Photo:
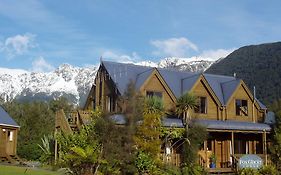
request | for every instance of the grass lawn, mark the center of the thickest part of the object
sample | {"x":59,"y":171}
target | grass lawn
{"x":14,"y":170}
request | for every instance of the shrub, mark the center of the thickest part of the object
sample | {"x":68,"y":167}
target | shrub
{"x":144,"y":163}
{"x":195,"y":169}
{"x":268,"y":170}
{"x":248,"y":171}
{"x":29,"y":151}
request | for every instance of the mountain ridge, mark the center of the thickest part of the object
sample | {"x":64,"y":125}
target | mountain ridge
{"x":258,"y":65}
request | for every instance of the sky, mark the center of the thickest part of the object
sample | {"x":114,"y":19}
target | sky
{"x":40,"y":35}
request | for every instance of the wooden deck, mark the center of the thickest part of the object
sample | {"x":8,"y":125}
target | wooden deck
{"x":220,"y":171}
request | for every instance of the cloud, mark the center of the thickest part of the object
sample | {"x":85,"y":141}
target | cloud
{"x":119,"y":57}
{"x":178,"y":47}
{"x":216,"y":54}
{"x":41,"y":65}
{"x":18,"y":44}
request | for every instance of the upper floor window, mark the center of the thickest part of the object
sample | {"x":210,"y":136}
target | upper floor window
{"x":202,"y":105}
{"x":241,"y":107}
{"x":153,"y":93}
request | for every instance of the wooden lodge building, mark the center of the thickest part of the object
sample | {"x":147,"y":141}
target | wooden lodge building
{"x":234,"y":118}
{"x":8,"y":137}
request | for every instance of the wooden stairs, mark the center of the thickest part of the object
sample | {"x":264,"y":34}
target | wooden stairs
{"x":73,"y":121}
{"x":225,"y":171}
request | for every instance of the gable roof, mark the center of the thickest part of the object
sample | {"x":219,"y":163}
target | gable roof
{"x":141,"y":77}
{"x":228,"y":89}
{"x":178,"y":81}
{"x":6,"y":120}
{"x":216,"y":82}
{"x":174,"y":79}
{"x":122,"y":74}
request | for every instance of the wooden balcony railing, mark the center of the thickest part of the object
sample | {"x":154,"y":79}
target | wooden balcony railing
{"x":172,"y":159}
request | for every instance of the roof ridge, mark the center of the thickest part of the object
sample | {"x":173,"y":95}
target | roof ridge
{"x":230,"y":81}
{"x":216,"y":75}
{"x":146,"y":71}
{"x":175,"y":70}
{"x":223,"y":94}
{"x":130,"y":64}
{"x":190,"y":76}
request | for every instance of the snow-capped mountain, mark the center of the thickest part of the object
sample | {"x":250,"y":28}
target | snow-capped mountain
{"x":69,"y":81}
{"x":72,"y":82}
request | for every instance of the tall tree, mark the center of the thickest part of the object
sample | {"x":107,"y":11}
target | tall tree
{"x":147,"y":138}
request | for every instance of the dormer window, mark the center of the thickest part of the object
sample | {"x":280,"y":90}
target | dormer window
{"x":202,"y":105}
{"x":153,"y":94}
{"x":241,"y":107}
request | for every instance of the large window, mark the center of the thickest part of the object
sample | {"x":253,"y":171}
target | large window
{"x":153,"y":93}
{"x":241,"y":107}
{"x":202,"y":105}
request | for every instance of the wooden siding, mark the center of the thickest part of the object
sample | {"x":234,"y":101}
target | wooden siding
{"x":240,"y":94}
{"x":154,"y":83}
{"x":201,"y":90}
{"x":7,"y":146}
{"x":103,"y":89}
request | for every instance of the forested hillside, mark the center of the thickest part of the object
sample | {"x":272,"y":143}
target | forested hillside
{"x":257,"y":65}
{"x":36,"y":120}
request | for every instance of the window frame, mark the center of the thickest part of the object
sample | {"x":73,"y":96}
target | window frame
{"x":199,"y":109}
{"x":240,"y":112}
{"x":153,"y":94}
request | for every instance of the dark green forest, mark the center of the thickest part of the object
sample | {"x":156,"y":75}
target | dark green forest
{"x":257,"y":65}
{"x":36,"y":119}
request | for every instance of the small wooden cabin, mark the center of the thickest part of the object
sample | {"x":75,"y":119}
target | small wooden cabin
{"x":8,"y":136}
{"x":232,"y":115}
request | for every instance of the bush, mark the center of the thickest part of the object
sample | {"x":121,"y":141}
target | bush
{"x":248,"y":171}
{"x":268,"y":170}
{"x":144,"y":163}
{"x":30,"y":151}
{"x":195,"y":169}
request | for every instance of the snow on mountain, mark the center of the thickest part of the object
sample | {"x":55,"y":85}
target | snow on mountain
{"x":72,"y":82}
{"x":66,"y":80}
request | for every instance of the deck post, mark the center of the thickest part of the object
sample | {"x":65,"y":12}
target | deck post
{"x":264,"y":146}
{"x":232,"y":142}
{"x":232,"y":148}
{"x":206,"y":154}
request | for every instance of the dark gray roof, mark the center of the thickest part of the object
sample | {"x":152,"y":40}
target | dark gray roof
{"x":142,"y":77}
{"x":209,"y":124}
{"x":270,"y":118}
{"x":261,"y":104}
{"x":173,"y":79}
{"x":172,"y":122}
{"x":122,"y":74}
{"x":216,"y":81}
{"x":187,"y":83}
{"x":5,"y":119}
{"x":228,"y":89}
{"x":219,"y":125}
{"x":118,"y":119}
{"x":234,"y":125}
{"x":178,"y":81}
